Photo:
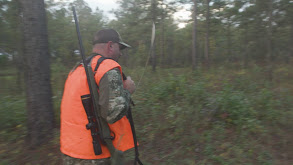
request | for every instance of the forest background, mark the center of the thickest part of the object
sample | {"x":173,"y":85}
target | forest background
{"x":217,"y":91}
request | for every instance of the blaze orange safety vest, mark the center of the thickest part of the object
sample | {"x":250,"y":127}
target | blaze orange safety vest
{"x":75,"y":139}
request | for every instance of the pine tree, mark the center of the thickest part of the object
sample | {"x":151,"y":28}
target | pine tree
{"x":40,"y":116}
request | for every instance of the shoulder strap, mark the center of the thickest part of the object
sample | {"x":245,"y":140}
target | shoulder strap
{"x":100,"y":60}
{"x":87,"y":61}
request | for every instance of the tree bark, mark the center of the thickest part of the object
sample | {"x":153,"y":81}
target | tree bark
{"x":40,"y":115}
{"x":194,"y":56}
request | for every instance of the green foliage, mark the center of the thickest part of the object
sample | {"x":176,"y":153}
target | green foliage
{"x":239,"y":108}
{"x":13,"y":117}
{"x":3,"y":60}
{"x":223,"y":122}
{"x":204,"y":117}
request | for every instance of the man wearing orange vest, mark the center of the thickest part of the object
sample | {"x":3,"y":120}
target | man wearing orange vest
{"x":114,"y":99}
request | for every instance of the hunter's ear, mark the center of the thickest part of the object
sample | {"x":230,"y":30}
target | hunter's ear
{"x":110,"y":47}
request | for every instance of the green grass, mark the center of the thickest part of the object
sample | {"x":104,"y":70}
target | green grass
{"x":220,"y":116}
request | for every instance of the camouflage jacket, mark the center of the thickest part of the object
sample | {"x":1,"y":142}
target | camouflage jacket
{"x":114,"y":99}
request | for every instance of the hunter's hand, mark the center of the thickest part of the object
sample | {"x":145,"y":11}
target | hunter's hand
{"x":129,"y":85}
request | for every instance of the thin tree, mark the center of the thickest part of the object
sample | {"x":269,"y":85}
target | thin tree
{"x":163,"y":16}
{"x":269,"y":41}
{"x":291,"y":41}
{"x":194,"y":16}
{"x":154,"y":15}
{"x":207,"y":45}
{"x":40,"y":116}
{"x":229,"y":38}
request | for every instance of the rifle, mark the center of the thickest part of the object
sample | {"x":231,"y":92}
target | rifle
{"x":129,"y":115}
{"x":96,"y":122}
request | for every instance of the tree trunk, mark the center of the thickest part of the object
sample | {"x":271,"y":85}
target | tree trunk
{"x":154,"y":60}
{"x":163,"y":59}
{"x":40,"y":115}
{"x":207,"y":45}
{"x":170,"y":52}
{"x":246,"y":46}
{"x":229,"y":42}
{"x":291,"y":41}
{"x":269,"y":43}
{"x":19,"y":55}
{"x":194,"y":60}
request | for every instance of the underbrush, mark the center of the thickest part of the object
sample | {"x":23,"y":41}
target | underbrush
{"x":220,"y":116}
{"x":208,"y":118}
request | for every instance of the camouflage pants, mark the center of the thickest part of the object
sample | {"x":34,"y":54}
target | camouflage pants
{"x":67,"y":160}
